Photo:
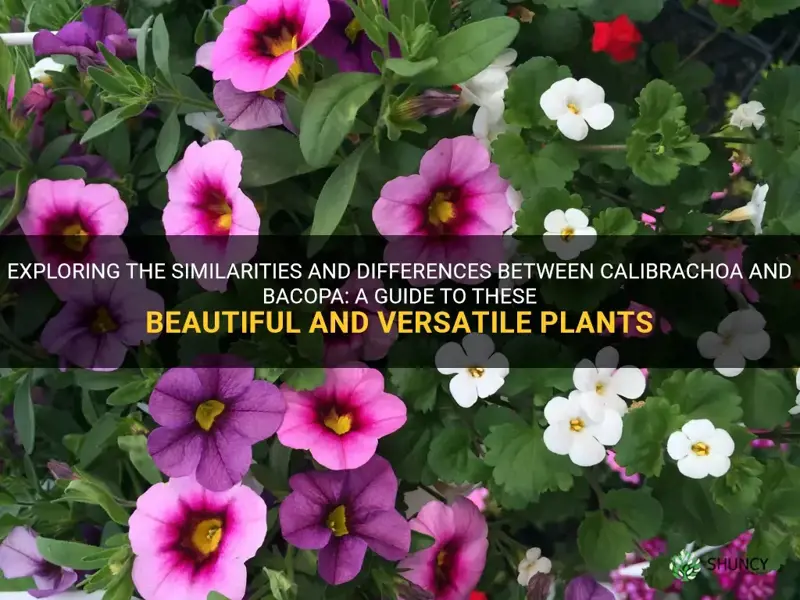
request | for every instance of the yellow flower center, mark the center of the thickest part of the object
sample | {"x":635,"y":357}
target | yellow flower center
{"x":599,"y":388}
{"x":206,"y":536}
{"x":269,"y":93}
{"x":701,"y":449}
{"x":284,"y":43}
{"x":567,"y":233}
{"x":337,"y":521}
{"x":576,"y":424}
{"x":207,"y":413}
{"x":46,"y":80}
{"x":223,"y":209}
{"x":352,"y":30}
{"x":476,"y":372}
{"x":573,"y":108}
{"x":77,"y":237}
{"x":441,"y":559}
{"x":338,"y":424}
{"x":441,"y":210}
{"x":103,"y":323}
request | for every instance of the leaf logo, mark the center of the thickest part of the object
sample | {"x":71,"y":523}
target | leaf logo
{"x":685,"y":566}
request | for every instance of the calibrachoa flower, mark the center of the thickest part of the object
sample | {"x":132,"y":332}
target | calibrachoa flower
{"x":79,"y":39}
{"x":451,"y":567}
{"x":189,"y":542}
{"x":533,"y":563}
{"x":571,"y":430}
{"x":251,"y":110}
{"x":748,"y":115}
{"x":19,"y":557}
{"x":618,"y":38}
{"x":210,"y":417}
{"x":478,"y":497}
{"x":101,"y":319}
{"x":341,"y":421}
{"x":745,"y":585}
{"x":602,"y":385}
{"x":343,"y":513}
{"x":701,"y":449}
{"x":586,"y":587}
{"x":479,"y":371}
{"x":576,"y":106}
{"x":629,"y":587}
{"x":487,"y":89}
{"x":611,"y":461}
{"x":567,"y":233}
{"x":261,"y":41}
{"x":650,"y":220}
{"x":740,"y":337}
{"x":753,"y":211}
{"x":205,"y":202}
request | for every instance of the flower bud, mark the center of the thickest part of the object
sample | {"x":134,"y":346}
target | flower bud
{"x":431,"y":103}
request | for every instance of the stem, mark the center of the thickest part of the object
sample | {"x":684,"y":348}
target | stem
{"x":603,"y":147}
{"x":700,"y":47}
{"x":290,"y":562}
{"x":434,"y":493}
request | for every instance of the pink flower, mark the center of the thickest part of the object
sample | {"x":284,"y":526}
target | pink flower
{"x":737,"y":168}
{"x":458,"y":192}
{"x":664,"y":325}
{"x":261,"y":41}
{"x":189,"y":541}
{"x":634,"y":588}
{"x":450,"y":568}
{"x":650,"y":220}
{"x":744,"y":584}
{"x":478,"y":497}
{"x":206,"y":205}
{"x":611,"y":461}
{"x":341,"y":421}
{"x":373,"y":344}
{"x":731,"y":255}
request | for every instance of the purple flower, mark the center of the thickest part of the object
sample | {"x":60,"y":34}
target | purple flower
{"x":586,"y":588}
{"x":251,"y":110}
{"x":344,"y":40}
{"x":37,"y":101}
{"x":342,"y":513}
{"x":96,"y":167}
{"x":80,"y":38}
{"x":210,"y":417}
{"x":60,"y":470}
{"x":19,"y":557}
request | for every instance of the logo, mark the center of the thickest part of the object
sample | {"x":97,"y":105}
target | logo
{"x":684,"y":566}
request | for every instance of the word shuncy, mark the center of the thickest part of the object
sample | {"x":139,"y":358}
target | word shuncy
{"x":752,"y":564}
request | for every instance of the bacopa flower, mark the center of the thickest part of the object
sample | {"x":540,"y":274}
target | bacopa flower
{"x":576,"y":106}
{"x":101,"y":319}
{"x":533,"y":563}
{"x":753,"y":211}
{"x":451,"y":567}
{"x":210,"y":417}
{"x":342,"y":513}
{"x":79,"y":39}
{"x":748,"y":115}
{"x":19,"y":557}
{"x":618,"y":38}
{"x":479,"y":371}
{"x":573,"y":432}
{"x":189,"y":542}
{"x":341,"y":421}
{"x":205,"y":203}
{"x":602,"y":385}
{"x":701,"y":449}
{"x":740,"y":337}
{"x":261,"y":40}
{"x":567,"y":233}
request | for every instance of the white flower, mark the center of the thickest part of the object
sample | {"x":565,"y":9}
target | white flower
{"x":489,"y":123}
{"x":571,"y":430}
{"x":567,"y":233}
{"x":795,"y":410}
{"x":576,"y":106}
{"x":514,"y":200}
{"x":488,"y":87}
{"x":479,"y":370}
{"x":746,"y":115}
{"x":207,"y":123}
{"x":39,"y":70}
{"x":202,"y":57}
{"x":753,"y":210}
{"x":602,"y":385}
{"x":740,"y":337}
{"x":533,"y":563}
{"x":701,"y":449}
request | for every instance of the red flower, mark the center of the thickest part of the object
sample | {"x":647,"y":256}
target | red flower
{"x":477,"y":596}
{"x":733,"y":3}
{"x":618,"y":38}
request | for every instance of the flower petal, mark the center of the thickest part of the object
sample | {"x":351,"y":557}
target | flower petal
{"x":341,"y":560}
{"x":599,"y":116}
{"x":574,"y":127}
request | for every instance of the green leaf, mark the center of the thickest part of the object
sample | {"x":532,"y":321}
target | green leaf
{"x":22,"y":80}
{"x":270,"y":156}
{"x":334,"y":198}
{"x":530,"y":80}
{"x":112,"y":84}
{"x":452,"y":457}
{"x":54,"y":151}
{"x":130,"y":393}
{"x":70,"y":554}
{"x":530,"y":217}
{"x":330,"y":112}
{"x":738,"y":490}
{"x":703,"y":395}
{"x":615,"y":221}
{"x":110,"y":120}
{"x":161,"y":45}
{"x":637,"y":509}
{"x":597,"y":10}
{"x":168,"y":141}
{"x":555,"y":32}
{"x":136,"y":447}
{"x":11,"y":209}
{"x":60,"y":172}
{"x":141,"y":44}
{"x":99,"y":380}
{"x":644,"y":436}
{"x":306,"y":378}
{"x":529,"y":170}
{"x":658,"y":575}
{"x":24,"y":417}
{"x":216,"y":596}
{"x":88,"y":492}
{"x":408,"y":448}
{"x":6,"y":66}
{"x":420,"y":541}
{"x":121,"y":588}
{"x":767,"y":396}
{"x":602,"y":542}
{"x":97,"y":438}
{"x":467,"y":51}
{"x":408,"y":68}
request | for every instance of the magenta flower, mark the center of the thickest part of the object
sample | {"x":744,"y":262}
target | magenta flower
{"x":101,"y":319}
{"x":19,"y":557}
{"x":744,"y":585}
{"x":343,"y":513}
{"x":37,"y":101}
{"x":650,"y":220}
{"x":611,"y":461}
{"x":373,"y":344}
{"x":586,"y":587}
{"x":731,"y":254}
{"x":663,"y":324}
{"x":79,"y":39}
{"x":189,"y":541}
{"x":450,"y":568}
{"x":261,"y":40}
{"x":479,"y":497}
{"x":251,"y":110}
{"x":206,"y":205}
{"x":210,"y":417}
{"x":341,"y":421}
